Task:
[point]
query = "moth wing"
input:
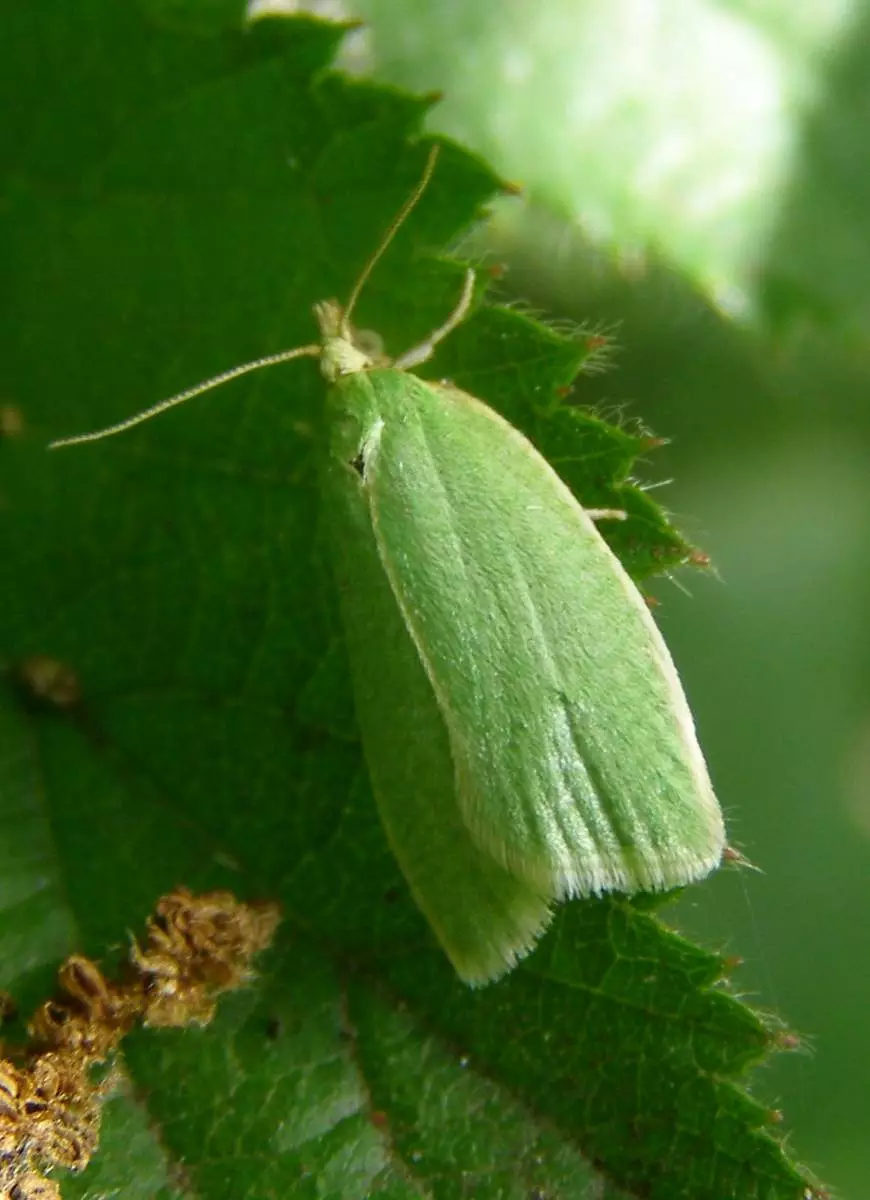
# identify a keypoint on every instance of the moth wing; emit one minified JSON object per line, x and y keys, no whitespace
{"x":485,"y":918}
{"x":577,"y":765}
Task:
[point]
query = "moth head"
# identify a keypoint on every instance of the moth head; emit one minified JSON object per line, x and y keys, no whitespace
{"x":346,"y":350}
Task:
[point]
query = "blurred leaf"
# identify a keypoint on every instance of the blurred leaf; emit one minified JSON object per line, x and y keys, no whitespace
{"x":726,"y":138}
{"x":174,"y":204}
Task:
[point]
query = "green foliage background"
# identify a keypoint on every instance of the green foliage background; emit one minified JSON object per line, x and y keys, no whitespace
{"x":176,"y":198}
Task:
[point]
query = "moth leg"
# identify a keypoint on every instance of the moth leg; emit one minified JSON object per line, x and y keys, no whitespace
{"x":420,"y":353}
{"x":606,"y":514}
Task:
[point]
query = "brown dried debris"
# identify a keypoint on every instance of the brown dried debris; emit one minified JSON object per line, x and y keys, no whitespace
{"x":196,"y":947}
{"x":49,"y":682}
{"x":197,"y":950}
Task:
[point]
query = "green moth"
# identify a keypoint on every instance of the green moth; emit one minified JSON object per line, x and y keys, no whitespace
{"x":524,"y":727}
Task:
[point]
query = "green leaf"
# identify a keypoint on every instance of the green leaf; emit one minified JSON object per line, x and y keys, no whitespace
{"x":174,"y":205}
{"x":131,"y":1162}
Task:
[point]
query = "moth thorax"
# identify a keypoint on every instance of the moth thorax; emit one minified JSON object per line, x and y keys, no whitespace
{"x":341,"y":357}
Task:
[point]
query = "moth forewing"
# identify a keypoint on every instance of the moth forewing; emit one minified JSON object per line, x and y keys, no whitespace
{"x":576,"y":763}
{"x":485,"y":917}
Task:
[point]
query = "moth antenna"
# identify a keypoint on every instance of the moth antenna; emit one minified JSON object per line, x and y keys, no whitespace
{"x":424,"y":351}
{"x":268,"y":360}
{"x":395,"y":225}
